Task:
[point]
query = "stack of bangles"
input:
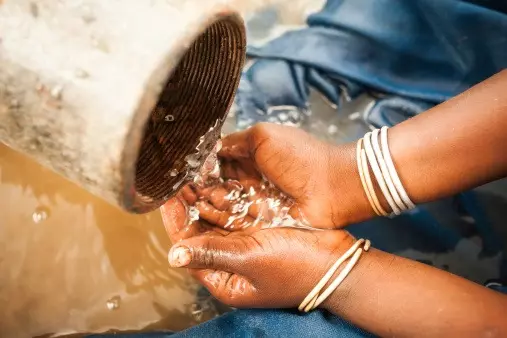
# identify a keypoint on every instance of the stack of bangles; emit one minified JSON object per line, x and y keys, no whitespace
{"x":371,"y":153}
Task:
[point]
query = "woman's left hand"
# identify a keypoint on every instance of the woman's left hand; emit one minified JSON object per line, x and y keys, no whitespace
{"x":269,"y":268}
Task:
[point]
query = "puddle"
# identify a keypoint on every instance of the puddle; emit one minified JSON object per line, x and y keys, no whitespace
{"x":70,"y":262}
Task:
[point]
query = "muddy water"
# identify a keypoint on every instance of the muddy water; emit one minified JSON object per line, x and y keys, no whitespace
{"x":71,"y":263}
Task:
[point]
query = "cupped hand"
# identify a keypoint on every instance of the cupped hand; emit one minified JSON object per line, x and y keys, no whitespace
{"x":320,"y":178}
{"x":253,"y":267}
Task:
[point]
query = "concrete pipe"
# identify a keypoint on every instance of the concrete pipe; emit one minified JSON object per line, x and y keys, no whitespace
{"x":121,"y":97}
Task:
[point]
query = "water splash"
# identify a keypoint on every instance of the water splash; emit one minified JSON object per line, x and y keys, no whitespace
{"x":193,"y":214}
{"x":204,"y":171}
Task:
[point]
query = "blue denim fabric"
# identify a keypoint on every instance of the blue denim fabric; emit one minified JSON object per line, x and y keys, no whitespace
{"x":275,"y":323}
{"x":265,"y":323}
{"x":416,"y":53}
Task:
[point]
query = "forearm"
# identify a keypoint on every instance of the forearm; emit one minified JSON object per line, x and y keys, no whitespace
{"x":458,"y":145}
{"x":453,"y":147}
{"x":392,"y":296}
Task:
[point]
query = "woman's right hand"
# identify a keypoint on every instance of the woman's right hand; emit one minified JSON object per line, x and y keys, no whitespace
{"x":321,"y":178}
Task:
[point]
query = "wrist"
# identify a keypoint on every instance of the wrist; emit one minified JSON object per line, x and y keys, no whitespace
{"x":351,"y":202}
{"x":343,"y":299}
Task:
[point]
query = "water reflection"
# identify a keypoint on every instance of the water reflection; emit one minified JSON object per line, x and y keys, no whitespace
{"x":66,"y":257}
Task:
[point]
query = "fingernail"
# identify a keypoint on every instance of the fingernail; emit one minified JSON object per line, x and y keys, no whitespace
{"x":179,"y":256}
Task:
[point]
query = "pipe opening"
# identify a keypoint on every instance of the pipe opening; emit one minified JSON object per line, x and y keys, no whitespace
{"x":197,"y":94}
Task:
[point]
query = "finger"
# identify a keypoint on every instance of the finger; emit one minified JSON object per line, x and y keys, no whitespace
{"x":188,"y":195}
{"x":246,"y":170}
{"x":230,"y":289}
{"x":225,"y":219}
{"x":212,"y":252}
{"x":216,"y":195}
{"x":254,"y":195}
{"x":175,"y":219}
{"x":236,"y":145}
{"x":227,"y":170}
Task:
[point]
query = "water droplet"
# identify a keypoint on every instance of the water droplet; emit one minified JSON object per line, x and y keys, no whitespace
{"x":237,"y":208}
{"x":169,"y":118}
{"x":193,"y":161}
{"x":193,"y":214}
{"x":56,"y":92}
{"x":174,"y":173}
{"x":113,"y":303}
{"x":40,"y":214}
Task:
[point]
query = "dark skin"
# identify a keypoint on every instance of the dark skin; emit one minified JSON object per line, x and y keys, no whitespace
{"x":453,"y":147}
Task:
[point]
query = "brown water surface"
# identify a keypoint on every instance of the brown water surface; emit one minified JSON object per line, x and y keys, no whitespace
{"x":70,"y":262}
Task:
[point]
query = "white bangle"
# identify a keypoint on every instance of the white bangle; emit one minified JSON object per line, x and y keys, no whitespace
{"x":369,"y":185}
{"x":385,"y":172}
{"x":362,"y":168}
{"x":378,"y":174}
{"x":392,"y":170}
{"x":313,"y":299}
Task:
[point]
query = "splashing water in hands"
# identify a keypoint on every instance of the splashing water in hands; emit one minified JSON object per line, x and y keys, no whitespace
{"x":272,"y":176}
{"x":233,"y":198}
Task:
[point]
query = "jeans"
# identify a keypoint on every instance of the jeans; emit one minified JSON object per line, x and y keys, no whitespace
{"x":264,"y":323}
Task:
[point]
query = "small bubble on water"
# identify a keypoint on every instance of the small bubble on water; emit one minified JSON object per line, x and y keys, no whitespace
{"x":56,"y":92}
{"x":40,"y":214}
{"x":113,"y":303}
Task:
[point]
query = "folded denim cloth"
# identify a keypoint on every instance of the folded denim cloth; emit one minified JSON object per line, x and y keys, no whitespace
{"x":416,"y":53}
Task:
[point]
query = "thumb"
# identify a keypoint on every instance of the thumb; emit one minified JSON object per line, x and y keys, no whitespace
{"x":211,"y":252}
